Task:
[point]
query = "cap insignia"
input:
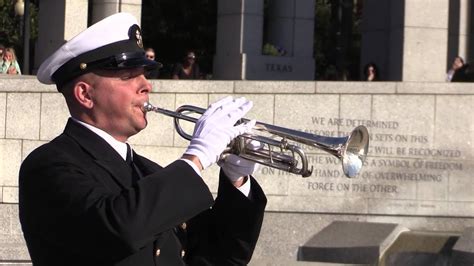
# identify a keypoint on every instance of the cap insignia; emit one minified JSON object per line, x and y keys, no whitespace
{"x":83,"y":66}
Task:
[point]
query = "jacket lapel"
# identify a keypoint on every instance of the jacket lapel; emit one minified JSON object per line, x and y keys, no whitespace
{"x":103,"y":154}
{"x":145,"y":165}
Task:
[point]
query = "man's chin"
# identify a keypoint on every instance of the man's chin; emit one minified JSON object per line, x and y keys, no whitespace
{"x":142,"y":121}
{"x":143,"y":124}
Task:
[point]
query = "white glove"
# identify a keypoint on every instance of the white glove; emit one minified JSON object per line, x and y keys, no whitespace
{"x":215,"y":129}
{"x":235,"y":167}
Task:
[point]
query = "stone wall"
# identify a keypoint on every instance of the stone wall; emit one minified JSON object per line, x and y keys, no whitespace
{"x":418,"y":171}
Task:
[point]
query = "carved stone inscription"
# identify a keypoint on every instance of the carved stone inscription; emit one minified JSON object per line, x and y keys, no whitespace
{"x":405,"y":173}
{"x":273,"y":67}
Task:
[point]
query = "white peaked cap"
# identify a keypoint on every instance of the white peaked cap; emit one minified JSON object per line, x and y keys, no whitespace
{"x":112,"y":43}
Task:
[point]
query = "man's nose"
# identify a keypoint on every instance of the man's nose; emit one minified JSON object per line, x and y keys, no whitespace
{"x":146,"y":85}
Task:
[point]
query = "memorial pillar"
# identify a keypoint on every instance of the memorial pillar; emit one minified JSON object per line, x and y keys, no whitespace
{"x":58,"y":21}
{"x":461,"y":31}
{"x":105,"y":8}
{"x":264,"y":40}
{"x":408,"y":40}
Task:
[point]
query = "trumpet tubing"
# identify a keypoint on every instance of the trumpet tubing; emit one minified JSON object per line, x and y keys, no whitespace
{"x":282,"y":154}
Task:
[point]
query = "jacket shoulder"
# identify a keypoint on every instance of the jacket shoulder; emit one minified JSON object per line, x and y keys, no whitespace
{"x":59,"y":148}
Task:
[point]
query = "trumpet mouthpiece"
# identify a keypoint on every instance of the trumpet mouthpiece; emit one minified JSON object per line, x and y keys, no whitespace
{"x":147,"y":107}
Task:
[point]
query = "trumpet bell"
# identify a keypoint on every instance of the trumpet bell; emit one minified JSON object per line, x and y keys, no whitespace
{"x":355,"y":152}
{"x":351,"y":150}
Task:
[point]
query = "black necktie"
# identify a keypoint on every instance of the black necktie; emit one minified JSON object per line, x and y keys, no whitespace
{"x":136,"y":174}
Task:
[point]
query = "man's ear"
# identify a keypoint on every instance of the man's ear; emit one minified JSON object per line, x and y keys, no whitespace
{"x":83,"y":91}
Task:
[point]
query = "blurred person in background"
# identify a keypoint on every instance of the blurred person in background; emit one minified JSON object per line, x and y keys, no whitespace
{"x":188,"y":69}
{"x":458,"y":71}
{"x":371,"y":72}
{"x":155,"y":72}
{"x":10,"y":64}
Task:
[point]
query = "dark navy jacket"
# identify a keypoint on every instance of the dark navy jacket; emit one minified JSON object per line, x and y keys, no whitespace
{"x":80,"y":206}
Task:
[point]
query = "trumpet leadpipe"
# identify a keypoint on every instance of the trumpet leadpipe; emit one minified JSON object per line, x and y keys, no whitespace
{"x":148,"y":107}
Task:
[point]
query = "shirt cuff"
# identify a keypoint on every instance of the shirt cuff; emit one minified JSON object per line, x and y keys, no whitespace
{"x":194,"y":166}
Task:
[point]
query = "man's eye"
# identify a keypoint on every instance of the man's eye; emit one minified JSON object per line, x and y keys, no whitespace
{"x":126,"y":77}
{"x":130,"y":75}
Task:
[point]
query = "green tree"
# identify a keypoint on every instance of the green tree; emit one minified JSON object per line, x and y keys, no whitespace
{"x":10,"y":34}
{"x":337,"y":57}
{"x":322,"y":40}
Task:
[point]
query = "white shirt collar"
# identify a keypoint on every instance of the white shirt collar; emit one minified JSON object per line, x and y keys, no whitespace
{"x":120,"y":147}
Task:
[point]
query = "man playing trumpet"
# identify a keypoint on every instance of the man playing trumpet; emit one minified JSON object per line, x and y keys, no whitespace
{"x":87,"y":199}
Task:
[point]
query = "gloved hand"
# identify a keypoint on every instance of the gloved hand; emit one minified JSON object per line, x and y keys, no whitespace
{"x":235,"y":167}
{"x":215,"y":129}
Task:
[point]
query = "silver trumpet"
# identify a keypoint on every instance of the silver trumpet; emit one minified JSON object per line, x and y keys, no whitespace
{"x":281,"y":154}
